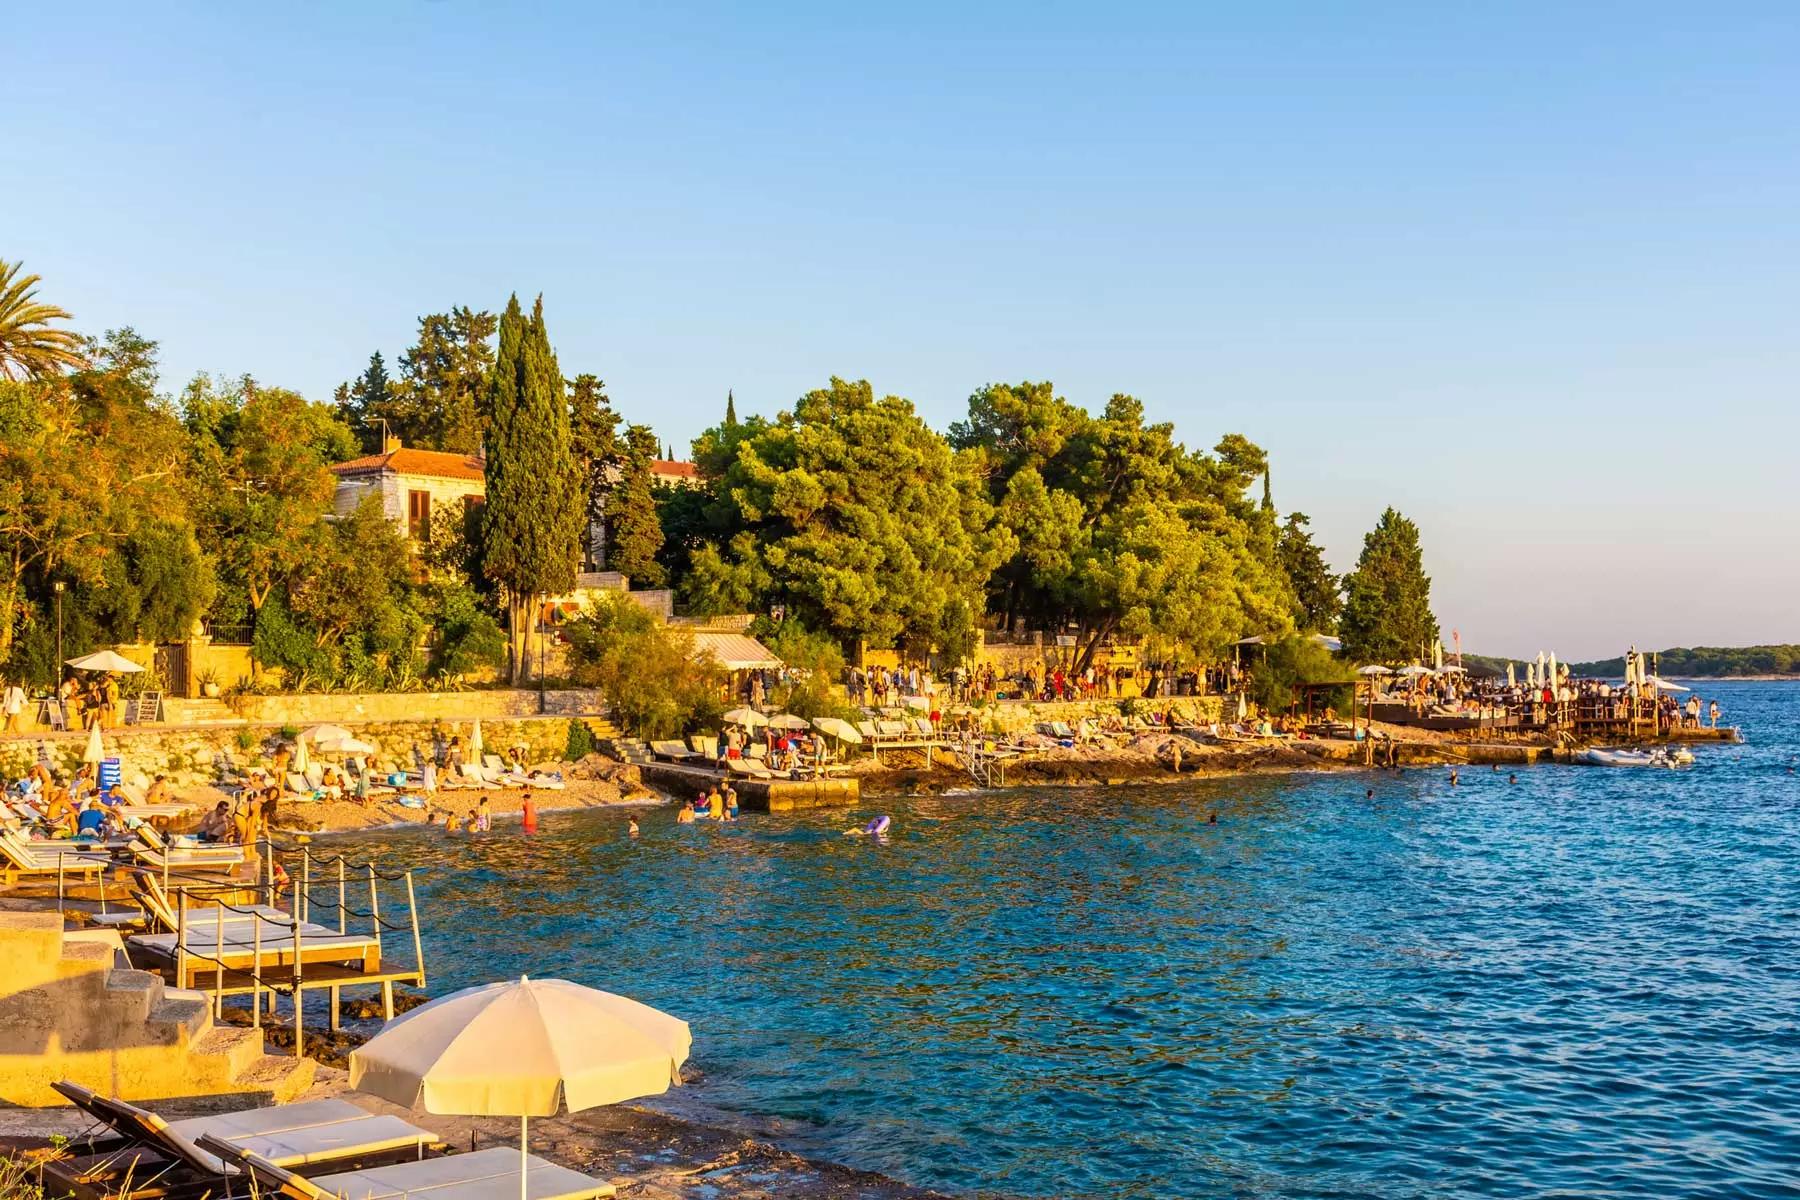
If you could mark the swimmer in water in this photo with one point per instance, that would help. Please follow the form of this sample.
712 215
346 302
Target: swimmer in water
1512 779
1212 818
684 814
1369 795
874 828
1453 778
632 826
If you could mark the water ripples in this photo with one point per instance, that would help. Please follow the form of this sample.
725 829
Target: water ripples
1585 984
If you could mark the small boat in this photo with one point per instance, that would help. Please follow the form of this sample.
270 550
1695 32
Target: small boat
1597 756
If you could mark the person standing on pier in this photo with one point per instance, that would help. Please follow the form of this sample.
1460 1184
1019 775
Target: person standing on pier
1713 712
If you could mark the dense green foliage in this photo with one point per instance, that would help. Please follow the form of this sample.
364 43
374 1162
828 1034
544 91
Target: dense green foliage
851 515
436 402
654 689
634 534
531 532
1706 662
1290 662
845 522
1387 599
1317 601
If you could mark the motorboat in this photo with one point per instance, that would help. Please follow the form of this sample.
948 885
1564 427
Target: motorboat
1599 756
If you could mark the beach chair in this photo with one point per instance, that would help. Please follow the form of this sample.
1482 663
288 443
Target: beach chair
148 1156
152 849
21 857
756 750
672 750
491 1174
705 747
923 726
750 767
893 731
868 730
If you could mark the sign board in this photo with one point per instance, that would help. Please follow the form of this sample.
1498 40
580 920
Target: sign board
1065 639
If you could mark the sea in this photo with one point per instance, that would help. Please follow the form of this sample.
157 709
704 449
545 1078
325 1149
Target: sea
1560 981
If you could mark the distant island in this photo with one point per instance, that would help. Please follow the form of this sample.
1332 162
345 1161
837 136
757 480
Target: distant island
1707 662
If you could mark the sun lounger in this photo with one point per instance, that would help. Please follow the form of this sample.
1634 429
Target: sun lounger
21 856
756 750
705 747
922 725
297 784
491 1174
235 938
868 730
152 849
146 1154
671 750
892 730
745 766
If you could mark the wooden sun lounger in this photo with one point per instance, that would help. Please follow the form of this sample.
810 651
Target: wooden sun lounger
20 856
745 766
491 1174
149 1156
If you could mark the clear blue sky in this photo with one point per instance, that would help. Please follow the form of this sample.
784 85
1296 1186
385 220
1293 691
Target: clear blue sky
1531 274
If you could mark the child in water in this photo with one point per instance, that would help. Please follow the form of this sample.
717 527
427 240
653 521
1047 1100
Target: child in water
684 814
631 826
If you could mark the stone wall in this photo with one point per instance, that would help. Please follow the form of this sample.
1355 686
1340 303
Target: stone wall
191 755
413 706
1010 716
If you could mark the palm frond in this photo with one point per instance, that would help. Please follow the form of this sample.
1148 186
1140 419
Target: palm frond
29 347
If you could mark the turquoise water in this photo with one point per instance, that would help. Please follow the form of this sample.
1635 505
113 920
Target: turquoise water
1584 984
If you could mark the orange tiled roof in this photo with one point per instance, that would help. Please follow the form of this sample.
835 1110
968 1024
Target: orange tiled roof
434 464
663 466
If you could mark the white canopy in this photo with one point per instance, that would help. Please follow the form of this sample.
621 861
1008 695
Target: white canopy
1374 669
749 718
327 733
788 721
1657 681
344 745
104 660
1415 669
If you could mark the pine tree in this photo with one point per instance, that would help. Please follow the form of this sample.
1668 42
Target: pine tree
532 523
1387 599
634 533
362 405
730 409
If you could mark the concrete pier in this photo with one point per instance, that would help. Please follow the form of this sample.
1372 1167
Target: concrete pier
754 795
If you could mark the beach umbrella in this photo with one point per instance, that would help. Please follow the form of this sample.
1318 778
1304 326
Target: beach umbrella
1437 656
749 718
94 752
327 733
1374 669
788 721
104 660
300 761
525 1049
1511 680
475 742
1541 677
1452 669
837 728
344 745
1415 669
1553 679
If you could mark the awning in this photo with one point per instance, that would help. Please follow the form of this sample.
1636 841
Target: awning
735 651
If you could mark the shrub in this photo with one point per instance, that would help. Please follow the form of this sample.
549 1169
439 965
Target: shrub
289 732
581 741
654 689
1293 661
246 740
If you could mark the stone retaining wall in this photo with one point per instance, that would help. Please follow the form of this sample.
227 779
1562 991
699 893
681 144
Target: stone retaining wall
1017 716
414 706
190 755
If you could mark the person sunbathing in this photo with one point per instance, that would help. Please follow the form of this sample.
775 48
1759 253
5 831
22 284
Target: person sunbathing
59 809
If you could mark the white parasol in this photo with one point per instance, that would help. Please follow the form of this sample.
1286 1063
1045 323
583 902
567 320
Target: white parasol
95 752
1415 669
327 733
1511 680
475 746
749 718
788 721
1374 669
838 728
300 761
524 1049
104 660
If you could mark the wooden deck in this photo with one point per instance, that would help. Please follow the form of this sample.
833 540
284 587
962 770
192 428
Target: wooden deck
755 795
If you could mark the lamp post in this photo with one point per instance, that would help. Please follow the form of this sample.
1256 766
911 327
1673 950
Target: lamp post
58 586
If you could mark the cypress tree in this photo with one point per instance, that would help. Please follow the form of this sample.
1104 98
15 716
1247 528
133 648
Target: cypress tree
532 527
634 533
730 409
